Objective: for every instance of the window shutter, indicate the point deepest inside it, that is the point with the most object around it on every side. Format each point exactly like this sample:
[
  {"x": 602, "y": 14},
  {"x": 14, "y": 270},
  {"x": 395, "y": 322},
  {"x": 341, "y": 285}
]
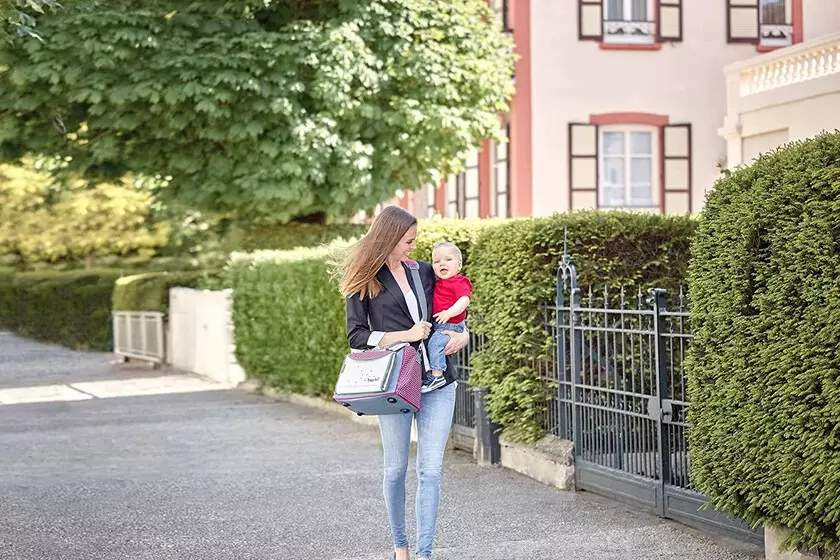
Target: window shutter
[
  {"x": 742, "y": 21},
  {"x": 583, "y": 166},
  {"x": 670, "y": 21},
  {"x": 590, "y": 20},
  {"x": 676, "y": 166}
]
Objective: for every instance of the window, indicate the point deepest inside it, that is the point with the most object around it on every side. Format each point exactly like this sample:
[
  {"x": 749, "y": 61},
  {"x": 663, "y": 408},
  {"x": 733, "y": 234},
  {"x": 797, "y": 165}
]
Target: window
[
  {"x": 627, "y": 168},
  {"x": 775, "y": 29},
  {"x": 630, "y": 22},
  {"x": 462, "y": 191},
  {"x": 431, "y": 210},
  {"x": 500, "y": 178},
  {"x": 766, "y": 23},
  {"x": 630, "y": 160}
]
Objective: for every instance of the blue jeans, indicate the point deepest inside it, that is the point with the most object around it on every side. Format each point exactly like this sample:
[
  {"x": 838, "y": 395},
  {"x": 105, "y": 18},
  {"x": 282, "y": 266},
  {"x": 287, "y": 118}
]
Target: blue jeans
[
  {"x": 433, "y": 424},
  {"x": 438, "y": 341}
]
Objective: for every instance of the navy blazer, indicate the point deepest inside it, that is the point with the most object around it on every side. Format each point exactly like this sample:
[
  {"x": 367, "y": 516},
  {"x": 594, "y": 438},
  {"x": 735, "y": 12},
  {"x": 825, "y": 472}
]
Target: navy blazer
[{"x": 388, "y": 311}]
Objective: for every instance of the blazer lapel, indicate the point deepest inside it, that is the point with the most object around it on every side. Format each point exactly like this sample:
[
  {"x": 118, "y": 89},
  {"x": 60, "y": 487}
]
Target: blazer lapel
[{"x": 386, "y": 278}]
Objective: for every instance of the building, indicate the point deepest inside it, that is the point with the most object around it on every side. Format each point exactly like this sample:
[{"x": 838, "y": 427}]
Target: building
[
  {"x": 787, "y": 95},
  {"x": 619, "y": 104}
]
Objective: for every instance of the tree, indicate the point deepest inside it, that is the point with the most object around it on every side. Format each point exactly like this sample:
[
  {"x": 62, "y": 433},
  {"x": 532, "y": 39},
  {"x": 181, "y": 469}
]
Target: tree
[
  {"x": 18, "y": 15},
  {"x": 260, "y": 109},
  {"x": 77, "y": 222}
]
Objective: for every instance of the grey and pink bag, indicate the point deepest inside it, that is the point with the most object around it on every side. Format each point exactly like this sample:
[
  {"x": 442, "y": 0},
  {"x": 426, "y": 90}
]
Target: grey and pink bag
[{"x": 385, "y": 380}]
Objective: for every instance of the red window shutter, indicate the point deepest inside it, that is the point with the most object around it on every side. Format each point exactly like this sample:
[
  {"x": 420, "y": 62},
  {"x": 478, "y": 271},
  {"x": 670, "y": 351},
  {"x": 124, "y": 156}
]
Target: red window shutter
[
  {"x": 670, "y": 22},
  {"x": 742, "y": 21},
  {"x": 590, "y": 20},
  {"x": 676, "y": 169},
  {"x": 583, "y": 166}
]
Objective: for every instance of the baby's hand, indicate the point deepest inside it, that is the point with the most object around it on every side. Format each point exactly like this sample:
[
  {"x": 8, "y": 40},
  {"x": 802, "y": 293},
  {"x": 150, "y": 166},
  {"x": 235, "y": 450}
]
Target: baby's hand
[{"x": 443, "y": 316}]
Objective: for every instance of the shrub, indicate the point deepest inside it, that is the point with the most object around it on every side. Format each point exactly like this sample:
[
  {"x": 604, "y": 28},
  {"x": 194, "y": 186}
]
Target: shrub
[
  {"x": 764, "y": 371},
  {"x": 289, "y": 316},
  {"x": 150, "y": 291},
  {"x": 513, "y": 268},
  {"x": 68, "y": 308}
]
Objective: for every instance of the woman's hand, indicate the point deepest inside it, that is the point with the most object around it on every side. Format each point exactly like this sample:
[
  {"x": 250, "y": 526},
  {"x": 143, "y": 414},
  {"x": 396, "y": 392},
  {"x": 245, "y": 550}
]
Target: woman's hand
[
  {"x": 457, "y": 341},
  {"x": 419, "y": 331}
]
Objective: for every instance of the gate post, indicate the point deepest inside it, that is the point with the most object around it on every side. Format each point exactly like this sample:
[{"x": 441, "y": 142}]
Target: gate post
[
  {"x": 488, "y": 449},
  {"x": 659, "y": 328},
  {"x": 567, "y": 282}
]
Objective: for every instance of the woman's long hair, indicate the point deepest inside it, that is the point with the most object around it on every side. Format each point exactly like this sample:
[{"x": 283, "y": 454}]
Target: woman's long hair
[{"x": 357, "y": 269}]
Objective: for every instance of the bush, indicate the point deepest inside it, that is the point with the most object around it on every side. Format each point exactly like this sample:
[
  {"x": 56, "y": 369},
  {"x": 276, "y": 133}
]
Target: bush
[
  {"x": 150, "y": 291},
  {"x": 764, "y": 371},
  {"x": 68, "y": 308},
  {"x": 513, "y": 268},
  {"x": 289, "y": 316}
]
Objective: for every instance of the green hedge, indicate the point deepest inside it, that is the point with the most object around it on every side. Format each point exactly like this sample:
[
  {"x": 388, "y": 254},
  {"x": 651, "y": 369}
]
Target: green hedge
[
  {"x": 68, "y": 308},
  {"x": 764, "y": 371},
  {"x": 289, "y": 316},
  {"x": 150, "y": 291},
  {"x": 513, "y": 269}
]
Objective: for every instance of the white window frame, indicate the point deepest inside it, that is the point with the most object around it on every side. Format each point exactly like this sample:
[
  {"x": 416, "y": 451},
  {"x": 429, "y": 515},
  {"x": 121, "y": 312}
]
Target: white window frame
[
  {"x": 783, "y": 32},
  {"x": 655, "y": 159},
  {"x": 630, "y": 31},
  {"x": 500, "y": 166},
  {"x": 431, "y": 192},
  {"x": 460, "y": 203}
]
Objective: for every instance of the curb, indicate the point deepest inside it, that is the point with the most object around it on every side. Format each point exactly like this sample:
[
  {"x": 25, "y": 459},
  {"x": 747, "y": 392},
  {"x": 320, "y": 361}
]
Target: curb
[{"x": 550, "y": 460}]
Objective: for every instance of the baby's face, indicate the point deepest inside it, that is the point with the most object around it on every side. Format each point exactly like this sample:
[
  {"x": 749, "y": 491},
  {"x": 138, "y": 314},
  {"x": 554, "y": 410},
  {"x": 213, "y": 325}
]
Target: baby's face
[{"x": 446, "y": 262}]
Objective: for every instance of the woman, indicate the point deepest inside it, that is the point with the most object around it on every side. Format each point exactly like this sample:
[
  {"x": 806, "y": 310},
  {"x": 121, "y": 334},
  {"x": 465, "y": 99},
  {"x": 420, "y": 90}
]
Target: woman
[{"x": 383, "y": 309}]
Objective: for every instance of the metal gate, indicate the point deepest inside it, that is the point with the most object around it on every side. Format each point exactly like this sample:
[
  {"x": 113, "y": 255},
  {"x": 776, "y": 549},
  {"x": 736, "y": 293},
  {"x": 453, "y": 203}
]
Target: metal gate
[{"x": 622, "y": 400}]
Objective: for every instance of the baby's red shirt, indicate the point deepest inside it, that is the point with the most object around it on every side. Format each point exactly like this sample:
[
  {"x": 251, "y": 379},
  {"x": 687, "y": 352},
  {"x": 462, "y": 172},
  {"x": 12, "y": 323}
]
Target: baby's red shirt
[{"x": 448, "y": 291}]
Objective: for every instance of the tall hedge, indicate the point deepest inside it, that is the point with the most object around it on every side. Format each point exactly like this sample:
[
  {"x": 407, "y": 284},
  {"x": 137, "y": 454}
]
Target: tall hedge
[
  {"x": 68, "y": 308},
  {"x": 513, "y": 268},
  {"x": 289, "y": 316},
  {"x": 764, "y": 372}
]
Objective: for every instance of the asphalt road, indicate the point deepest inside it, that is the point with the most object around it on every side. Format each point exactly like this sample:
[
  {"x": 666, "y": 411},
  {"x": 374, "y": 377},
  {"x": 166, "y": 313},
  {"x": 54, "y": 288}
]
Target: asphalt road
[{"x": 115, "y": 462}]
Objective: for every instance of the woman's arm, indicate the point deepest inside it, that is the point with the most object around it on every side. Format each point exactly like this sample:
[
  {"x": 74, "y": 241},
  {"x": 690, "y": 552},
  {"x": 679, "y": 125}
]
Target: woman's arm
[{"x": 360, "y": 336}]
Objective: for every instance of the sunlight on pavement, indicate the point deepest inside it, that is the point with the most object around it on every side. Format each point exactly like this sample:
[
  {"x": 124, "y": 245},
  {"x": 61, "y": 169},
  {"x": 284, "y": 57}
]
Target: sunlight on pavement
[{"x": 109, "y": 389}]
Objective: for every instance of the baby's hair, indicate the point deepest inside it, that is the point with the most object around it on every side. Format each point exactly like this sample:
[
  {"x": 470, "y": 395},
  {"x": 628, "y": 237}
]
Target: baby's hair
[{"x": 448, "y": 245}]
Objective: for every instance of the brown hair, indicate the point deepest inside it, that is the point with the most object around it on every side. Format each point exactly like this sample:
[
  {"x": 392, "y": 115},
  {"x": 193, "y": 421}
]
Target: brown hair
[{"x": 357, "y": 270}]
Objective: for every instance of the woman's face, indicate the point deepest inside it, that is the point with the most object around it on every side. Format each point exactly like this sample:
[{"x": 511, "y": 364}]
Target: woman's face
[{"x": 405, "y": 245}]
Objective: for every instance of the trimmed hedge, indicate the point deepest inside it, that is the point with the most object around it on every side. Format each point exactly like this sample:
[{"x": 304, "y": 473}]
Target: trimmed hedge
[
  {"x": 68, "y": 308},
  {"x": 289, "y": 316},
  {"x": 764, "y": 371},
  {"x": 513, "y": 268},
  {"x": 150, "y": 291}
]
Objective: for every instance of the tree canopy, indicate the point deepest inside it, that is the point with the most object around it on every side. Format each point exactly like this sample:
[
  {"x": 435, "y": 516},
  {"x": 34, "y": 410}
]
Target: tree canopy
[
  {"x": 39, "y": 222},
  {"x": 261, "y": 109},
  {"x": 17, "y": 15}
]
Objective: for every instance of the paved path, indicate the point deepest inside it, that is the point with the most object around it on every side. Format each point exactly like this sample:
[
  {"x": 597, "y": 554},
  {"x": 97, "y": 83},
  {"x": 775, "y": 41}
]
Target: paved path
[{"x": 222, "y": 474}]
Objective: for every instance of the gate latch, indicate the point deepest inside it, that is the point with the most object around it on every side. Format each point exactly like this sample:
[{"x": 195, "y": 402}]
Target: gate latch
[{"x": 659, "y": 413}]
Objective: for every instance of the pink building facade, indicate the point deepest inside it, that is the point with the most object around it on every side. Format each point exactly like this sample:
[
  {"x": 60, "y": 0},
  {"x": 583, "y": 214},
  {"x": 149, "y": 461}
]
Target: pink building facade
[{"x": 618, "y": 104}]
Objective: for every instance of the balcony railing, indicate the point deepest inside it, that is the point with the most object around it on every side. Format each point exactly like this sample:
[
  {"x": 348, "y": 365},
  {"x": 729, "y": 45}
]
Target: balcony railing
[
  {"x": 793, "y": 65},
  {"x": 621, "y": 31}
]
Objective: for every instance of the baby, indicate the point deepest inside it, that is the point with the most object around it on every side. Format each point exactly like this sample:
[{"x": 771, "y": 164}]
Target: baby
[{"x": 449, "y": 307}]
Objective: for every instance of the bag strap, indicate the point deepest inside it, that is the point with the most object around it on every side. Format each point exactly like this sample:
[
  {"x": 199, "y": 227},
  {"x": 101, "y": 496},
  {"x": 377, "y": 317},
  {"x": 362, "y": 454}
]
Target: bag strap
[{"x": 414, "y": 268}]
